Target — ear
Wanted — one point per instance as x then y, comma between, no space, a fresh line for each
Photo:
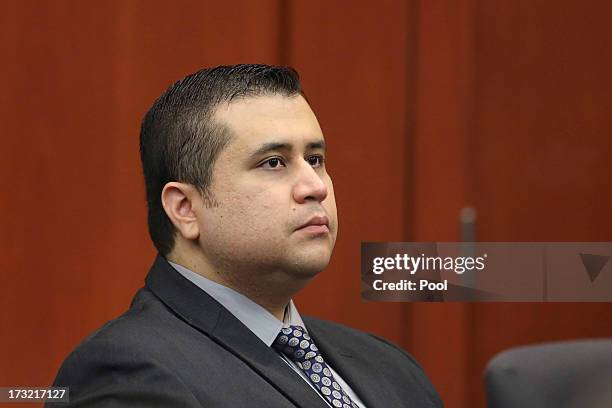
180,201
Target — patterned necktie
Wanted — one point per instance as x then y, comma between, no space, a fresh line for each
296,344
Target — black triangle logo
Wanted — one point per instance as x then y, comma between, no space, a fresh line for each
594,264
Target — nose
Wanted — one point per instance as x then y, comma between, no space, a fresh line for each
309,185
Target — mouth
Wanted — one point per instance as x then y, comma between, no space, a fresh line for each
317,225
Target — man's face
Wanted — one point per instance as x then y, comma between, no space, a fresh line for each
274,209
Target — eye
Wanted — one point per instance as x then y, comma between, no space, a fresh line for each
316,160
273,163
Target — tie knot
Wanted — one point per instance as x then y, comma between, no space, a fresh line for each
295,343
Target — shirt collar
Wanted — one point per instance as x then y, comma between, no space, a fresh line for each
255,317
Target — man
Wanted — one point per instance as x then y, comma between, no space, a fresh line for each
241,210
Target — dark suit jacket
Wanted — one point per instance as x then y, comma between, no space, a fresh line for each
177,347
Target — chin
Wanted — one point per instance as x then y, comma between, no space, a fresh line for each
309,266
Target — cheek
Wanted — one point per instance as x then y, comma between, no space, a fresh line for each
244,214
243,229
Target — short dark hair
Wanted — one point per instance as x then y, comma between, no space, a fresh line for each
179,140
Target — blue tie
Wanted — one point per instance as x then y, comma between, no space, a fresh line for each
296,344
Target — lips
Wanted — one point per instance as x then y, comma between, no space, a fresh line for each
316,224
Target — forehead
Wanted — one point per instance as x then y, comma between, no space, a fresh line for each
269,118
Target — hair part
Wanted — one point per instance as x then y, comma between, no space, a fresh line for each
180,140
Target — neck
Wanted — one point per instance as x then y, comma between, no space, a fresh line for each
270,290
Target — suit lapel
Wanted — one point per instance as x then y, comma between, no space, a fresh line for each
266,362
354,369
201,311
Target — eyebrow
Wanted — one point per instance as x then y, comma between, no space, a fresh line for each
272,146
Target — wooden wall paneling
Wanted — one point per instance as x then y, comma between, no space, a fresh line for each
543,109
542,135
443,181
54,196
